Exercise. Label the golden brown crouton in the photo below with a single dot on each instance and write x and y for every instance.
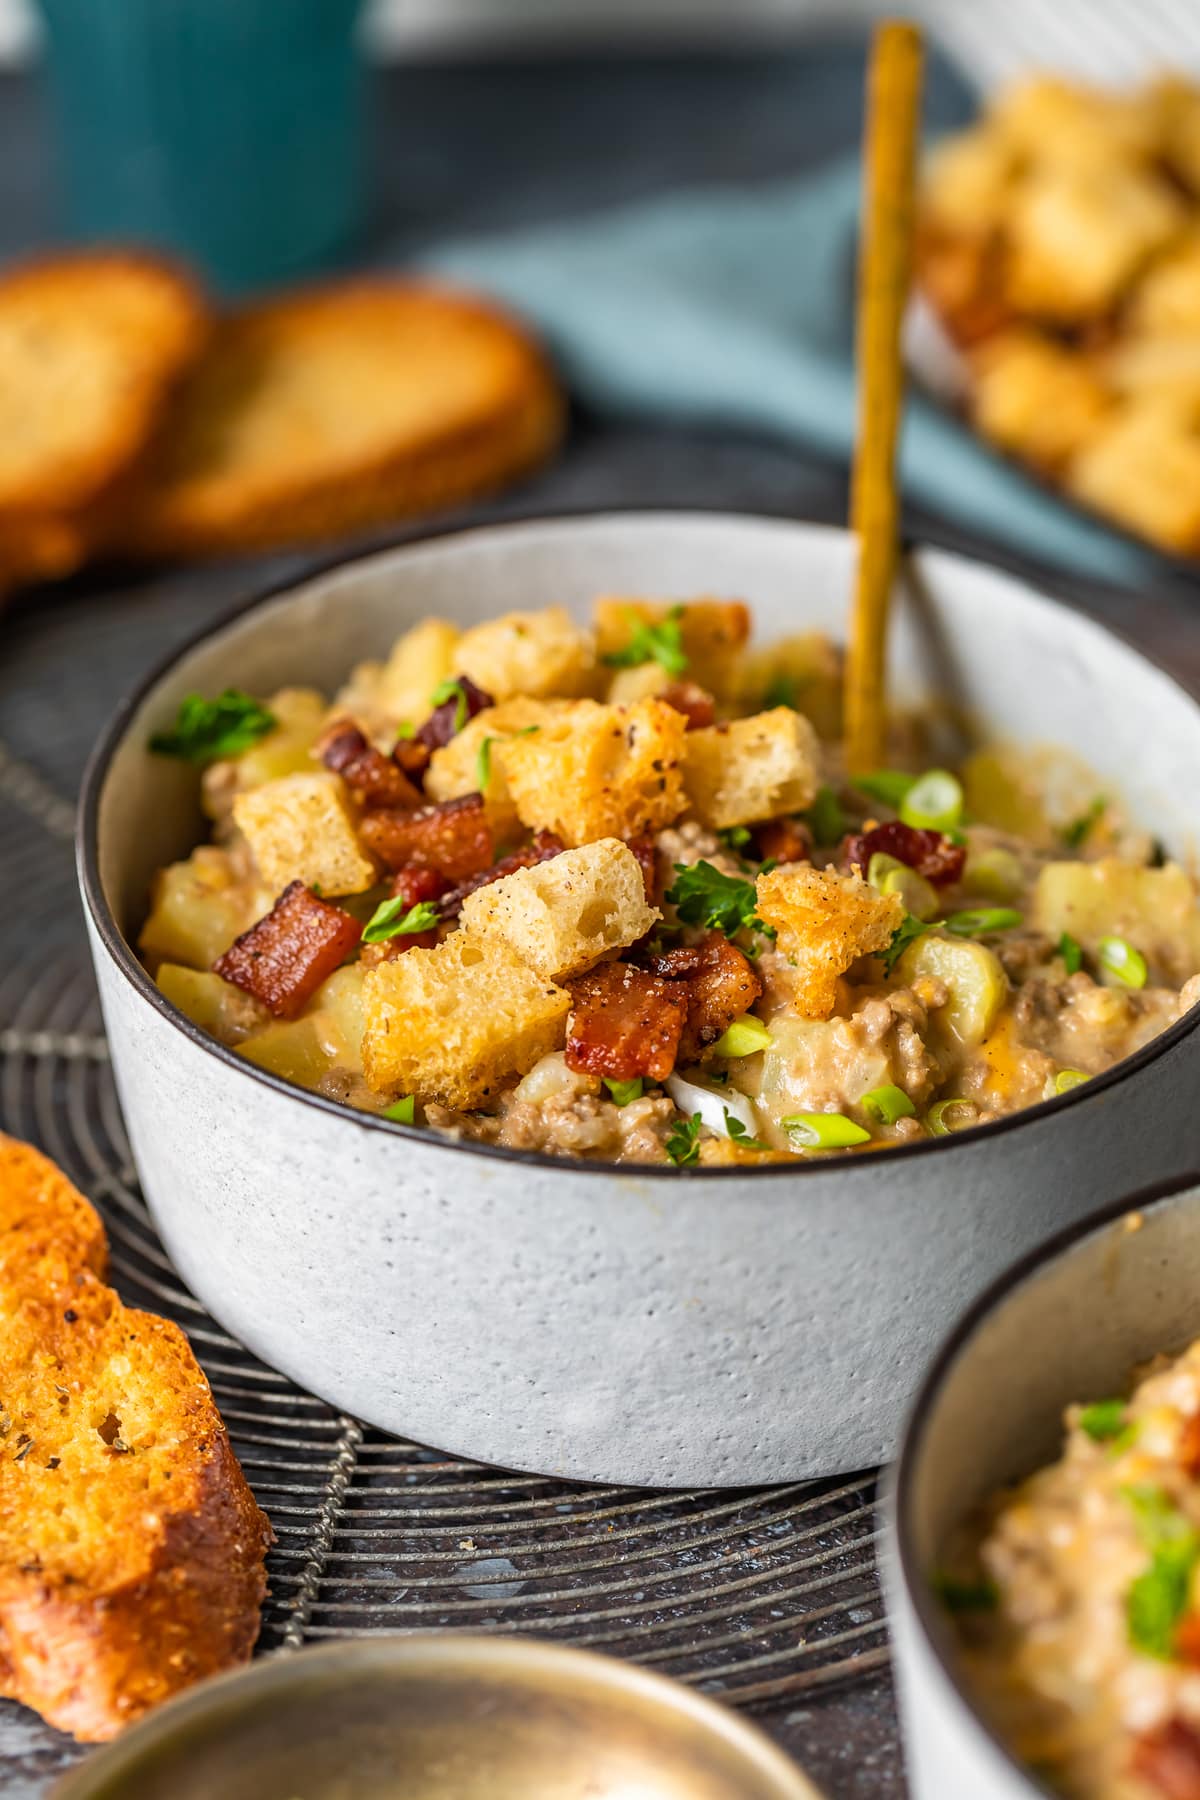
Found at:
(825, 922)
(712, 633)
(1036, 398)
(1144, 470)
(562, 916)
(454, 769)
(599, 771)
(1077, 238)
(416, 664)
(1060, 124)
(1166, 300)
(750, 769)
(299, 828)
(967, 181)
(532, 653)
(455, 1023)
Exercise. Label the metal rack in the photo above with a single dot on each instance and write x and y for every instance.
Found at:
(755, 1595)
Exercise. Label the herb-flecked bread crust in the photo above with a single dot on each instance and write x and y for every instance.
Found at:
(341, 407)
(107, 1422)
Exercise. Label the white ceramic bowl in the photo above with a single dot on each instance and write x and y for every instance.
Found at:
(652, 1326)
(1069, 1323)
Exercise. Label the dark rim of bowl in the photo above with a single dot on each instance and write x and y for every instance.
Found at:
(122, 954)
(935, 1627)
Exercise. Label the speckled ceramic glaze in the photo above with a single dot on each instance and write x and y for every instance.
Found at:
(660, 1327)
(1071, 1324)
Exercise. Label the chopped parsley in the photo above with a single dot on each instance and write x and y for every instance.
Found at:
(702, 895)
(1158, 1599)
(623, 1092)
(447, 690)
(959, 1596)
(404, 1110)
(825, 818)
(1103, 1419)
(207, 729)
(1079, 830)
(906, 932)
(682, 1145)
(1071, 951)
(737, 1132)
(661, 643)
(392, 918)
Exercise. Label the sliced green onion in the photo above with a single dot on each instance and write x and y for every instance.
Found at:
(624, 1091)
(825, 1131)
(1071, 951)
(886, 785)
(1079, 830)
(996, 873)
(1066, 1079)
(483, 765)
(934, 802)
(745, 1036)
(887, 1104)
(452, 689)
(979, 920)
(405, 729)
(402, 1110)
(1103, 1419)
(939, 1121)
(1118, 958)
(888, 875)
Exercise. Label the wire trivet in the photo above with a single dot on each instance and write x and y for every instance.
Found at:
(756, 1595)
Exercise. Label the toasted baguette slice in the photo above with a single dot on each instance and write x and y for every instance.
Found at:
(343, 407)
(91, 347)
(131, 1548)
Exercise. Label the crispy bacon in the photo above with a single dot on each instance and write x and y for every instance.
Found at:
(412, 756)
(783, 841)
(719, 984)
(544, 846)
(414, 884)
(443, 722)
(1189, 1445)
(1187, 1640)
(930, 853)
(373, 778)
(694, 702)
(284, 958)
(1168, 1760)
(453, 838)
(624, 1023)
(644, 849)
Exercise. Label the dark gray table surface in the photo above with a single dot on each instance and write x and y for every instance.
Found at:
(465, 146)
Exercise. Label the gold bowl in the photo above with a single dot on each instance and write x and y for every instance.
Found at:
(439, 1717)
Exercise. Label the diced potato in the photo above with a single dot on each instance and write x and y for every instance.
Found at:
(419, 660)
(744, 770)
(1154, 908)
(599, 771)
(288, 749)
(796, 1073)
(293, 1051)
(973, 974)
(338, 1017)
(803, 671)
(300, 828)
(562, 916)
(215, 1005)
(535, 653)
(454, 769)
(999, 789)
(713, 633)
(197, 909)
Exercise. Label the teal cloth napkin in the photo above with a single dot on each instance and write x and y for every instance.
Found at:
(733, 306)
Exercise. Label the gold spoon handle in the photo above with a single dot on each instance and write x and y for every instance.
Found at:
(893, 115)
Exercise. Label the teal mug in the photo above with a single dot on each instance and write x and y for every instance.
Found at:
(229, 132)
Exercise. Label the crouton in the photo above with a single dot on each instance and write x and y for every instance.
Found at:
(1076, 239)
(562, 916)
(967, 180)
(1166, 301)
(1144, 471)
(1056, 123)
(825, 922)
(711, 636)
(455, 768)
(456, 1023)
(299, 828)
(1036, 398)
(531, 653)
(417, 663)
(750, 769)
(599, 771)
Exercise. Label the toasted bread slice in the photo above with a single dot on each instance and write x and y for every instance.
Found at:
(342, 407)
(131, 1548)
(90, 349)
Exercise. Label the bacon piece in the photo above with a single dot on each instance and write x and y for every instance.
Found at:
(1187, 1640)
(412, 757)
(647, 854)
(443, 722)
(719, 991)
(783, 841)
(373, 778)
(930, 853)
(624, 1023)
(1168, 1759)
(544, 846)
(1189, 1445)
(283, 959)
(694, 702)
(453, 838)
(414, 884)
